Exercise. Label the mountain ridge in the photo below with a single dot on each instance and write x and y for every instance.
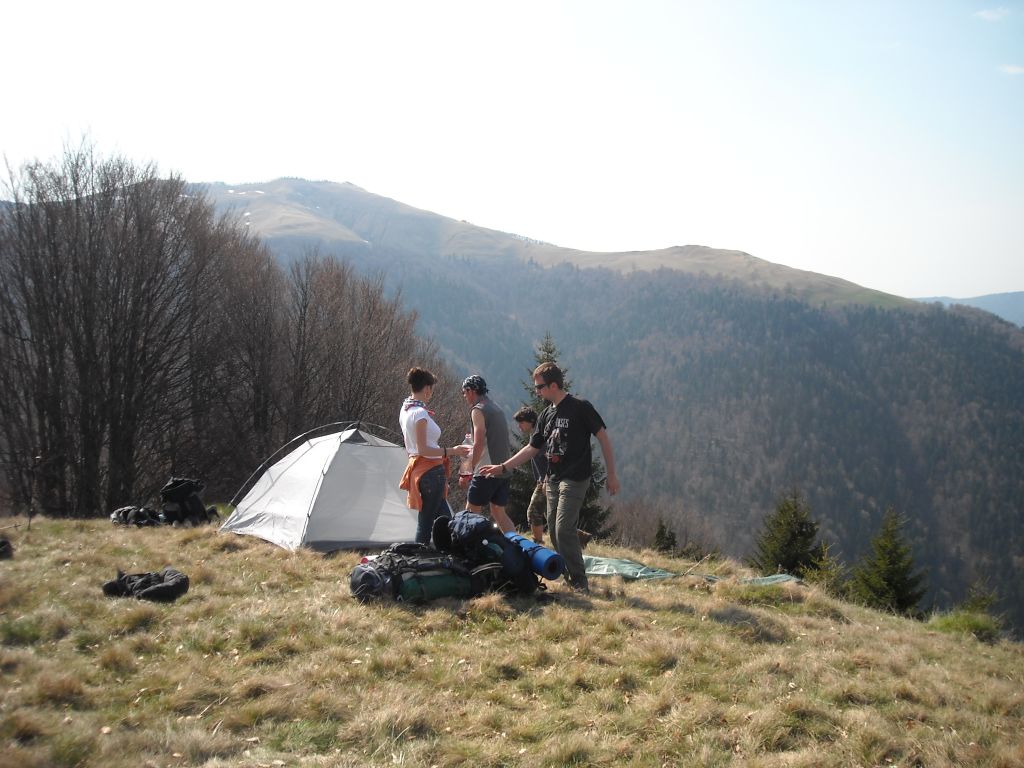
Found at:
(1009, 305)
(349, 220)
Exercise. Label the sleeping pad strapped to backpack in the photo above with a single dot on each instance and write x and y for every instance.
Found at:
(478, 539)
(470, 560)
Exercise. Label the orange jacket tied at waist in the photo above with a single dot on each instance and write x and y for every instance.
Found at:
(414, 471)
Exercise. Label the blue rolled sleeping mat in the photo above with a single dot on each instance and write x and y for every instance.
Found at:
(544, 562)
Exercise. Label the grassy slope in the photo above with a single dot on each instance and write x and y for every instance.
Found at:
(268, 661)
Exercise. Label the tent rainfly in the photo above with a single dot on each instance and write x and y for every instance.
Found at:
(335, 487)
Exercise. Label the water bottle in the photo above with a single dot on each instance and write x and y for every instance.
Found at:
(466, 466)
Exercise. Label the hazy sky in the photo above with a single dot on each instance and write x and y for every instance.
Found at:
(881, 142)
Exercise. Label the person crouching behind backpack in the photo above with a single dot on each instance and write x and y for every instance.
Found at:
(537, 511)
(426, 476)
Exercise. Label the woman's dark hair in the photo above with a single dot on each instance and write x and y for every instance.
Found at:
(419, 378)
(526, 413)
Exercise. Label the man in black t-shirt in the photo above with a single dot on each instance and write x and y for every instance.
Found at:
(563, 433)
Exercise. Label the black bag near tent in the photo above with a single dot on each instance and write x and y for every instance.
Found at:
(182, 504)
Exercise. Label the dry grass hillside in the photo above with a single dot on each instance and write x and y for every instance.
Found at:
(268, 661)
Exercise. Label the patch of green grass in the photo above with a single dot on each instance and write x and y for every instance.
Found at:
(138, 618)
(657, 659)
(981, 626)
(22, 630)
(793, 724)
(12, 597)
(750, 626)
(753, 594)
(59, 689)
(117, 659)
(22, 728)
(87, 639)
(575, 749)
(306, 736)
(72, 749)
(255, 634)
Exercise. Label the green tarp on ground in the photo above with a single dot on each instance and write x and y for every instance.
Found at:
(628, 569)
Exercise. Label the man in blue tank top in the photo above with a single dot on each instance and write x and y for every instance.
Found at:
(490, 446)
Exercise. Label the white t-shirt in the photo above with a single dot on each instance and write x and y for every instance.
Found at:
(408, 417)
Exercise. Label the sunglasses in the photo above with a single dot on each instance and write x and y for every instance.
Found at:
(539, 387)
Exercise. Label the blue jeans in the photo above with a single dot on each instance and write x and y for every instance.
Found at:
(565, 498)
(431, 485)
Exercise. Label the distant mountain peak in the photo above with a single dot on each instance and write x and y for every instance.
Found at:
(1009, 306)
(326, 211)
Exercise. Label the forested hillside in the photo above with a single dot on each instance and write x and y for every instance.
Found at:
(720, 394)
(1009, 306)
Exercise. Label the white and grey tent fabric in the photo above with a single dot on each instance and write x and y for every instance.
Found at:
(335, 487)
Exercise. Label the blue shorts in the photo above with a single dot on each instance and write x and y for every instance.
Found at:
(488, 490)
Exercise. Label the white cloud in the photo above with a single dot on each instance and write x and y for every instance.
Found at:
(1012, 69)
(993, 14)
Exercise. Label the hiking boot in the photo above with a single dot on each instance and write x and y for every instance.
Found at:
(576, 587)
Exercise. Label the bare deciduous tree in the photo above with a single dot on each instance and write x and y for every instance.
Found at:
(144, 335)
(106, 267)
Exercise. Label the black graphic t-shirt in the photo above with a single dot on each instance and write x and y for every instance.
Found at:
(563, 434)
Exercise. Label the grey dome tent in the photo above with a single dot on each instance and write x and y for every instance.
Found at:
(334, 487)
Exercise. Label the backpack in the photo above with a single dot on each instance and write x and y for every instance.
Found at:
(414, 573)
(182, 504)
(479, 540)
(177, 489)
(138, 516)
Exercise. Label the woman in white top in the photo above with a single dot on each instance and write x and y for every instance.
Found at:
(426, 476)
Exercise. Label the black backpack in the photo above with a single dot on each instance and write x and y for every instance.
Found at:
(415, 573)
(479, 540)
(182, 504)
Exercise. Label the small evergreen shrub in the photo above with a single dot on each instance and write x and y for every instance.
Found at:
(786, 545)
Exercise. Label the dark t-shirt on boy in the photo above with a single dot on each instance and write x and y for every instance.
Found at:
(563, 434)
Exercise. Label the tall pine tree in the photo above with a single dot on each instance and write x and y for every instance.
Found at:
(664, 538)
(787, 542)
(593, 516)
(886, 579)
